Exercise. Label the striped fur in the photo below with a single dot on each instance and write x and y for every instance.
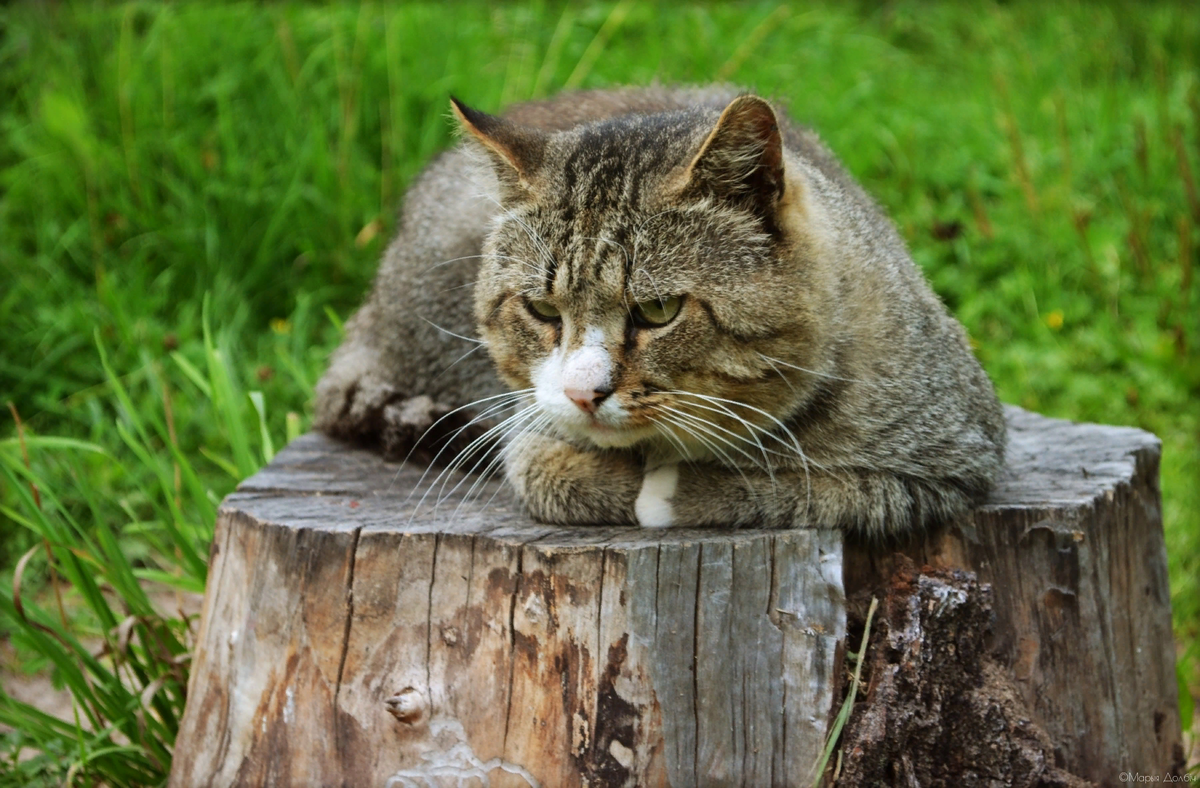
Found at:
(810, 375)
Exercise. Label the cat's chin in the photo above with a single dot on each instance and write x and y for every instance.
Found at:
(603, 436)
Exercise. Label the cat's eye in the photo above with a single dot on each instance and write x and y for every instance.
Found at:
(656, 311)
(544, 309)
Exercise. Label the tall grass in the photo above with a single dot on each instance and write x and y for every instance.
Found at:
(90, 600)
(161, 163)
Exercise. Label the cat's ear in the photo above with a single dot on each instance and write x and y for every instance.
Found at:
(516, 151)
(742, 158)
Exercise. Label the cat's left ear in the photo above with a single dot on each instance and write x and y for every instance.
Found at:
(516, 151)
(742, 158)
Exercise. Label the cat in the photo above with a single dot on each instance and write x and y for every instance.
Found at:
(701, 320)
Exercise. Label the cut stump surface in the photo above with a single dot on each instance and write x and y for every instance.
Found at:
(351, 637)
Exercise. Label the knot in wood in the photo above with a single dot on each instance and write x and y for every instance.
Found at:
(407, 706)
(450, 635)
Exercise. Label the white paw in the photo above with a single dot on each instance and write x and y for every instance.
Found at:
(653, 506)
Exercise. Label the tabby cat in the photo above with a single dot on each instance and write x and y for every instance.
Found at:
(700, 318)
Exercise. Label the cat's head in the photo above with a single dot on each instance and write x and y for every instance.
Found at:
(648, 277)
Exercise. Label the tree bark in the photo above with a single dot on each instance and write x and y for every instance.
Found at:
(941, 711)
(351, 636)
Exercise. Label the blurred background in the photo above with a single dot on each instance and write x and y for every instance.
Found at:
(193, 199)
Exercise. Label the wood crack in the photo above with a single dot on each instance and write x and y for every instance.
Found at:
(695, 666)
(776, 618)
(601, 661)
(512, 642)
(437, 541)
(349, 614)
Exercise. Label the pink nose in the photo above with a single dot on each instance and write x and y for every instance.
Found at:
(587, 399)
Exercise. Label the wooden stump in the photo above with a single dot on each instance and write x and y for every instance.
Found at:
(349, 639)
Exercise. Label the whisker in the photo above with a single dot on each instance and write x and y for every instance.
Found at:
(476, 444)
(542, 249)
(493, 464)
(795, 445)
(750, 426)
(777, 372)
(443, 476)
(516, 425)
(752, 429)
(493, 275)
(482, 256)
(505, 398)
(634, 268)
(765, 466)
(460, 358)
(498, 460)
(729, 463)
(666, 432)
(615, 243)
(807, 371)
(511, 215)
(539, 244)
(451, 333)
(456, 259)
(654, 284)
(468, 453)
(703, 423)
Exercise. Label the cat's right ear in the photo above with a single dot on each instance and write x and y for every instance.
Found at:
(516, 151)
(742, 159)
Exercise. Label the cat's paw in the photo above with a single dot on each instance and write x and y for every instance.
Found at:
(560, 483)
(352, 406)
(363, 408)
(405, 422)
(427, 431)
(653, 506)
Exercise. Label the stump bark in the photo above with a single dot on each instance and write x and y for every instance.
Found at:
(352, 637)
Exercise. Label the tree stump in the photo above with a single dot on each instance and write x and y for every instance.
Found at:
(350, 637)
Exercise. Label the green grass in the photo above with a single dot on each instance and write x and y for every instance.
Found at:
(100, 550)
(1041, 159)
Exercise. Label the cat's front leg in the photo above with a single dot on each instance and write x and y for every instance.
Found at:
(560, 483)
(869, 502)
(683, 495)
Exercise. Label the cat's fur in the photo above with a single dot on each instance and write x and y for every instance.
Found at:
(810, 377)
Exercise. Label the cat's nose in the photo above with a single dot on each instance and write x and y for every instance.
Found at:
(587, 399)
